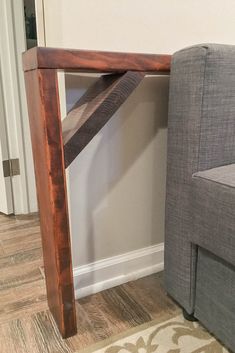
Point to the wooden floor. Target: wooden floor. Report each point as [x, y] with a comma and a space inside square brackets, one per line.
[26, 325]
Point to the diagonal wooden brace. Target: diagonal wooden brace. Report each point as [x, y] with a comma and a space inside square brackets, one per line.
[94, 110]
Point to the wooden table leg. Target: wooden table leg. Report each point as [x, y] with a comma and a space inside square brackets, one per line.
[45, 125]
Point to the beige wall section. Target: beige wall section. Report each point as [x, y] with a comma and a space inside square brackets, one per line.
[137, 25]
[117, 184]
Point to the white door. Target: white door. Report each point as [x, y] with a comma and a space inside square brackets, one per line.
[15, 141]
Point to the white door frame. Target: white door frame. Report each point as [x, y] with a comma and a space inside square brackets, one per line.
[13, 43]
[6, 196]
[40, 22]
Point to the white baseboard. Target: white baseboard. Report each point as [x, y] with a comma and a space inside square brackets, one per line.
[116, 270]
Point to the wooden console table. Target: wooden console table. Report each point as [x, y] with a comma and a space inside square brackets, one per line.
[56, 145]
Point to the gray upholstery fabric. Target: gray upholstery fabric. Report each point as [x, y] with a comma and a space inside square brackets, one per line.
[201, 136]
[217, 133]
[213, 204]
[182, 159]
[215, 296]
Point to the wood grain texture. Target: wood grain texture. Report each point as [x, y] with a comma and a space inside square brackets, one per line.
[12, 276]
[21, 300]
[94, 109]
[157, 298]
[52, 152]
[46, 135]
[94, 61]
[8, 231]
[22, 242]
[1, 250]
[26, 324]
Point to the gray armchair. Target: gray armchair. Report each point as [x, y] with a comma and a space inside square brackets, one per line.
[200, 203]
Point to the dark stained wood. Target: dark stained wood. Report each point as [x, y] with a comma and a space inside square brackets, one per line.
[94, 110]
[46, 134]
[52, 152]
[94, 61]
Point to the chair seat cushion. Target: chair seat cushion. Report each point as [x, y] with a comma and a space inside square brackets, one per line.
[213, 207]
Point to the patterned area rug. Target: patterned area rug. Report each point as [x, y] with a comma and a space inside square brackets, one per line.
[175, 335]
